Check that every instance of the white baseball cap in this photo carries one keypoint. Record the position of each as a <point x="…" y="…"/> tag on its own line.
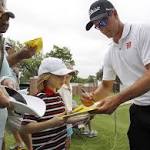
<point x="54" y="66"/>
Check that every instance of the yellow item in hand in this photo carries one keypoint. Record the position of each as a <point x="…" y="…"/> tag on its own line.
<point x="82" y="108"/>
<point x="35" y="43"/>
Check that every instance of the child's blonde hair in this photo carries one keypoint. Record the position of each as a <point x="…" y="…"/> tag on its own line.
<point x="43" y="81"/>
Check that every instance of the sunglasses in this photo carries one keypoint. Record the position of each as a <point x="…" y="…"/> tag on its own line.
<point x="102" y="23"/>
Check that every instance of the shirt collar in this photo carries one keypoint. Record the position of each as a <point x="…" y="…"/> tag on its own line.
<point x="49" y="91"/>
<point x="126" y="30"/>
<point x="66" y="86"/>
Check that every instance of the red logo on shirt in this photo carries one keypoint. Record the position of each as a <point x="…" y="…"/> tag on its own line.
<point x="128" y="44"/>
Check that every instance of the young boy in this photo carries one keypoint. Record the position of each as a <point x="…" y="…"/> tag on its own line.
<point x="49" y="131"/>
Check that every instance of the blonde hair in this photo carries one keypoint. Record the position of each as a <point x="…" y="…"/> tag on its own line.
<point x="42" y="81"/>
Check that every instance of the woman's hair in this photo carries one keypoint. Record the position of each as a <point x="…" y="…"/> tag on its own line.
<point x="43" y="81"/>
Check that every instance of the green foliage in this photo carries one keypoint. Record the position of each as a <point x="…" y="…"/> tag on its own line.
<point x="91" y="79"/>
<point x="80" y="80"/>
<point x="99" y="74"/>
<point x="62" y="53"/>
<point x="29" y="67"/>
<point x="15" y="44"/>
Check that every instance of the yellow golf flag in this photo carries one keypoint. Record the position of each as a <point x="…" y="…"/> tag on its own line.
<point x="38" y="43"/>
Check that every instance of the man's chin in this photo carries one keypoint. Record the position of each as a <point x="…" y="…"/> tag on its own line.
<point x="3" y="31"/>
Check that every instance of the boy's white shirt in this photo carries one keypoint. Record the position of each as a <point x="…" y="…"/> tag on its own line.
<point x="66" y="94"/>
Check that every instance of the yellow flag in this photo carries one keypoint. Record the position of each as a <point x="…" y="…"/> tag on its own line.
<point x="38" y="43"/>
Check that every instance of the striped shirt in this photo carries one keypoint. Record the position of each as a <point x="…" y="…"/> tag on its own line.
<point x="51" y="138"/>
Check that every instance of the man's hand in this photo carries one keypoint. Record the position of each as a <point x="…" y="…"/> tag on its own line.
<point x="4" y="100"/>
<point x="27" y="52"/>
<point x="87" y="99"/>
<point x="10" y="83"/>
<point x="24" y="53"/>
<point x="107" y="105"/>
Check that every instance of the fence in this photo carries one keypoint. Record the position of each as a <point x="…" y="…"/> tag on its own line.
<point x="75" y="87"/>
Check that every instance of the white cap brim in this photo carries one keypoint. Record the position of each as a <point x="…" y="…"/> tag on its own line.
<point x="62" y="72"/>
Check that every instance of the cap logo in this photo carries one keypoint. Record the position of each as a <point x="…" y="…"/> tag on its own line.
<point x="94" y="10"/>
<point x="108" y="9"/>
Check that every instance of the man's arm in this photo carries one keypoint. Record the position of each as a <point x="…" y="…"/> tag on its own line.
<point x="140" y="87"/>
<point x="104" y="90"/>
<point x="17" y="57"/>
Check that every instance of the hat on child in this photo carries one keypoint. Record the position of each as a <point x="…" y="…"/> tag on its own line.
<point x="98" y="10"/>
<point x="54" y="66"/>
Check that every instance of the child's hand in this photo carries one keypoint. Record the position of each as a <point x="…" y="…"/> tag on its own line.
<point x="59" y="120"/>
<point x="78" y="118"/>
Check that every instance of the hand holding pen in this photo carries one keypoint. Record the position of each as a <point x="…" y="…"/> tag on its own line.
<point x="86" y="98"/>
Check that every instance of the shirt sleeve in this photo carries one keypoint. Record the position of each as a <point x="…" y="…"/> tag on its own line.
<point x="108" y="71"/>
<point x="6" y="71"/>
<point x="144" y="44"/>
<point x="28" y="119"/>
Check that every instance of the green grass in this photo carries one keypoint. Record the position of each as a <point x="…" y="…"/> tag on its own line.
<point x="106" y="138"/>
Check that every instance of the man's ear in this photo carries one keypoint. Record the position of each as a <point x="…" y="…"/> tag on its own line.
<point x="115" y="12"/>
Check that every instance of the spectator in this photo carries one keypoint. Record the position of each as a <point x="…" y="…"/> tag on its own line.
<point x="6" y="77"/>
<point x="66" y="93"/>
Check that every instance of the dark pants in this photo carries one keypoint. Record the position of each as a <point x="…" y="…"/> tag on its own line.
<point x="139" y="130"/>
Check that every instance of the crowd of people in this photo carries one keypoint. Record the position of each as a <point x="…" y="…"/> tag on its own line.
<point x="52" y="130"/>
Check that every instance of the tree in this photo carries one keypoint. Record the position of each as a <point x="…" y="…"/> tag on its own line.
<point x="99" y="74"/>
<point x="30" y="66"/>
<point x="116" y="85"/>
<point x="62" y="53"/>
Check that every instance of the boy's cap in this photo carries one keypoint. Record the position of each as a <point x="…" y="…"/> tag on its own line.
<point x="69" y="66"/>
<point x="97" y="11"/>
<point x="54" y="66"/>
